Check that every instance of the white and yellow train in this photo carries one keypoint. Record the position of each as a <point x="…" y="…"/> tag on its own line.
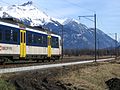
<point x="23" y="43"/>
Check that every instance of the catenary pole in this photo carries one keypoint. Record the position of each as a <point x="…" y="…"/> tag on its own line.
<point x="94" y="16"/>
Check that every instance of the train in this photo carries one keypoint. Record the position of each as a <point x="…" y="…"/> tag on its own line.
<point x="22" y="42"/>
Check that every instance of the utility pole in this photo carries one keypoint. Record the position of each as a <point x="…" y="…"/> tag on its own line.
<point x="95" y="34"/>
<point x="87" y="17"/>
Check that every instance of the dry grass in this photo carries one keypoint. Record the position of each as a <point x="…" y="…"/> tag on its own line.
<point x="91" y="77"/>
<point x="85" y="57"/>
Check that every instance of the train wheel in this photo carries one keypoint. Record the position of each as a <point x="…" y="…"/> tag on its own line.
<point x="49" y="60"/>
<point x="53" y="60"/>
<point x="2" y="60"/>
<point x="42" y="60"/>
<point x="37" y="61"/>
<point x="57" y="57"/>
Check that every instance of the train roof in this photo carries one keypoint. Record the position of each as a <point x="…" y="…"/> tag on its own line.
<point x="17" y="22"/>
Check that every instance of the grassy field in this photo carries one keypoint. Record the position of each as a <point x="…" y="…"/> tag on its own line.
<point x="4" y="85"/>
<point x="92" y="76"/>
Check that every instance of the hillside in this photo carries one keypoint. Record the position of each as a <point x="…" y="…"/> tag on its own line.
<point x="79" y="36"/>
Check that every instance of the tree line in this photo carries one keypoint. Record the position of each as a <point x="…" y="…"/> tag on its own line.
<point x="99" y="52"/>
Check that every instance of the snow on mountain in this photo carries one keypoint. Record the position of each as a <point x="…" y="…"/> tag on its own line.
<point x="61" y="21"/>
<point x="67" y="20"/>
<point x="76" y="34"/>
<point x="29" y="12"/>
<point x="26" y="11"/>
<point x="79" y="36"/>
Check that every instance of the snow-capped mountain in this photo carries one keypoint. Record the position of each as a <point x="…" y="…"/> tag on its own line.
<point x="26" y="12"/>
<point x="76" y="35"/>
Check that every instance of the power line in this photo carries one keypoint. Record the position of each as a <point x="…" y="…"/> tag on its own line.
<point x="80" y="6"/>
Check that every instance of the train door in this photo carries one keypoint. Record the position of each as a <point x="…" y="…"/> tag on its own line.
<point x="22" y="43"/>
<point x="49" y="46"/>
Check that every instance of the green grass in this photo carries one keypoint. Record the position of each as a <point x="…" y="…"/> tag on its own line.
<point x="4" y="85"/>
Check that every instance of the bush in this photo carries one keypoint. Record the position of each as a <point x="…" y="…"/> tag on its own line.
<point x="4" y="85"/>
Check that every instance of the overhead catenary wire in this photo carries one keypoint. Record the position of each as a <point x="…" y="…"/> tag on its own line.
<point x="1" y="1"/>
<point x="75" y="4"/>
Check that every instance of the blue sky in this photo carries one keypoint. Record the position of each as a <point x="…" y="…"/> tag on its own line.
<point x="108" y="11"/>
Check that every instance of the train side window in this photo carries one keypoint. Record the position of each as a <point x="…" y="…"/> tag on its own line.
<point x="35" y="39"/>
<point x="0" y="35"/>
<point x="44" y="40"/>
<point x="30" y="38"/>
<point x="39" y="39"/>
<point x="55" y="42"/>
<point x="15" y="36"/>
<point x="7" y="35"/>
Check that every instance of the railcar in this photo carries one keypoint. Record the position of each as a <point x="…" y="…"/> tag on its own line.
<point x="18" y="42"/>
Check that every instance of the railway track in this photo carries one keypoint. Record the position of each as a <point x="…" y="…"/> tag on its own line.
<point x="24" y="63"/>
<point x="44" y="65"/>
<point x="35" y="63"/>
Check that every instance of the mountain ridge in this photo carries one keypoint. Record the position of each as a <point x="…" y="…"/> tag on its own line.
<point x="76" y="34"/>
